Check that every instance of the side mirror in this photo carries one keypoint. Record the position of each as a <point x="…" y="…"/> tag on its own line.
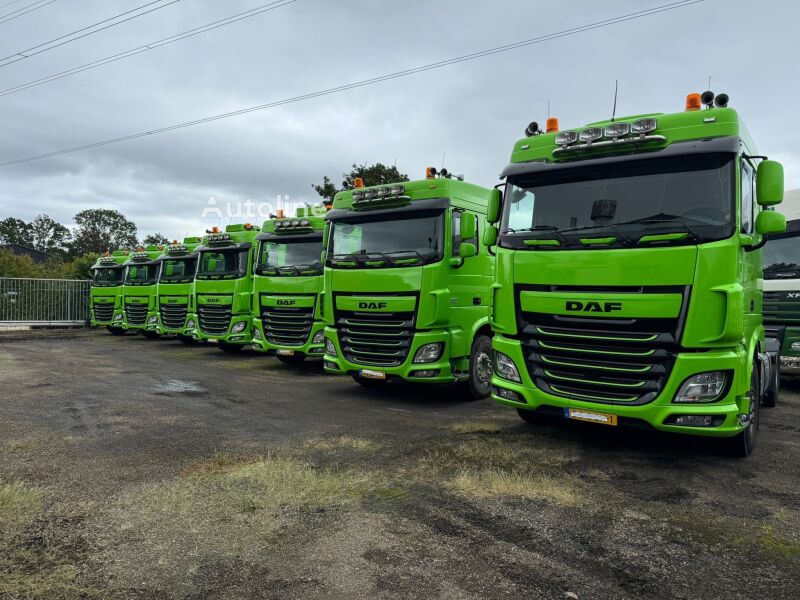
<point x="769" y="183"/>
<point x="769" y="222"/>
<point x="467" y="226"/>
<point x="466" y="250"/>
<point x="490" y="236"/>
<point x="493" y="208"/>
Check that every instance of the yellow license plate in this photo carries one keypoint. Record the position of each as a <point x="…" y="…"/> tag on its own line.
<point x="284" y="352"/>
<point x="370" y="374"/>
<point x="590" y="416"/>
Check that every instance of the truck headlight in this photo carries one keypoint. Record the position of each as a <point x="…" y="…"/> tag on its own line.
<point x="795" y="346"/>
<point x="239" y="327"/>
<point x="118" y="317"/>
<point x="703" y="387"/>
<point x="428" y="353"/>
<point x="330" y="347"/>
<point x="151" y="320"/>
<point x="190" y="324"/>
<point x="505" y="367"/>
<point x="319" y="337"/>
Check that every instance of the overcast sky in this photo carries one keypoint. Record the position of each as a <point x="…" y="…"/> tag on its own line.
<point x="472" y="112"/>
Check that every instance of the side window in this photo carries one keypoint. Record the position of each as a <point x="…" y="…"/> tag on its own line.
<point x="747" y="198"/>
<point x="457" y="228"/>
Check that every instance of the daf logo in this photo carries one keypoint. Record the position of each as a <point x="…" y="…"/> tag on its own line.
<point x="212" y="300"/>
<point x="372" y="305"/>
<point x="576" y="306"/>
<point x="286" y="302"/>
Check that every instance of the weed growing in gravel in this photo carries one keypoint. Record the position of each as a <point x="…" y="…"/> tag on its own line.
<point x="18" y="504"/>
<point x="476" y="427"/>
<point x="344" y="442"/>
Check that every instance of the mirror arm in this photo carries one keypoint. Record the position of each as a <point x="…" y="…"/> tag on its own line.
<point x="754" y="156"/>
<point x="758" y="246"/>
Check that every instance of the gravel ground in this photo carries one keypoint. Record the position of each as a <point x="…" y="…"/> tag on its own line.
<point x="136" y="468"/>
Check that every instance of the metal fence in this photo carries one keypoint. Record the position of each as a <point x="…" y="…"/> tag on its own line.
<point x="45" y="302"/>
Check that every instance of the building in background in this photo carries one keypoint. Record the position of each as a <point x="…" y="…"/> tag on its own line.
<point x="37" y="255"/>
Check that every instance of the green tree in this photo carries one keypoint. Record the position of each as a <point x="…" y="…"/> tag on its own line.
<point x="15" y="265"/>
<point x="15" y="231"/>
<point x="155" y="239"/>
<point x="377" y="174"/>
<point x="49" y="236"/>
<point x="100" y="230"/>
<point x="77" y="268"/>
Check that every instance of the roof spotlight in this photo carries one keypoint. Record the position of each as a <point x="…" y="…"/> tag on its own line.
<point x="707" y="98"/>
<point x="532" y="129"/>
<point x="305" y="223"/>
<point x="721" y="100"/>
<point x="444" y="173"/>
<point x="294" y="223"/>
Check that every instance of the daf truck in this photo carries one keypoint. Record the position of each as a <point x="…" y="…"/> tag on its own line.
<point x="106" y="306"/>
<point x="782" y="295"/>
<point x="286" y="287"/>
<point x="175" y="292"/>
<point x="628" y="285"/>
<point x="139" y="291"/>
<point x="223" y="287"/>
<point x="406" y="284"/>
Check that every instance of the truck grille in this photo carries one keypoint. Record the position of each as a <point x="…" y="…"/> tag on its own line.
<point x="609" y="361"/>
<point x="780" y="309"/>
<point x="173" y="316"/>
<point x="375" y="339"/>
<point x="136" y="313"/>
<point x="214" y="319"/>
<point x="103" y="312"/>
<point x="287" y="326"/>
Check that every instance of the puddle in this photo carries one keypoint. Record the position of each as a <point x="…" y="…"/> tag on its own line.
<point x="178" y="386"/>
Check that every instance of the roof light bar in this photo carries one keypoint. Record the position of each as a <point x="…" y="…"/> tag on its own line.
<point x="612" y="134"/>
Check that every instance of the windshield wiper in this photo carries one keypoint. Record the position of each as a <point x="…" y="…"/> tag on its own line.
<point x="625" y="239"/>
<point x="418" y="255"/>
<point x="535" y="228"/>
<point x="664" y="218"/>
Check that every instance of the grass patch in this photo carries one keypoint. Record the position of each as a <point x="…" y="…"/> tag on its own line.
<point x="487" y="483"/>
<point x="19" y="503"/>
<point x="344" y="442"/>
<point x="476" y="427"/>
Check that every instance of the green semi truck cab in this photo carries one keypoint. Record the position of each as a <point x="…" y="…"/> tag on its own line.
<point x="286" y="286"/>
<point x="106" y="306"/>
<point x="223" y="287"/>
<point x="175" y="292"/>
<point x="781" y="256"/>
<point x="139" y="291"/>
<point x="407" y="285"/>
<point x="628" y="276"/>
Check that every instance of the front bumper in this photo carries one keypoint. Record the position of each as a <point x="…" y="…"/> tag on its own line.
<point x="260" y="343"/>
<point x="405" y="371"/>
<point x="241" y="337"/>
<point x="654" y="413"/>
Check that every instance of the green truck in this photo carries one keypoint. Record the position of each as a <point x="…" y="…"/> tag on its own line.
<point x="175" y="292"/>
<point x="105" y="301"/>
<point x="782" y="295"/>
<point x="223" y="287"/>
<point x="628" y="285"/>
<point x="139" y="291"/>
<point x="406" y="291"/>
<point x="286" y="287"/>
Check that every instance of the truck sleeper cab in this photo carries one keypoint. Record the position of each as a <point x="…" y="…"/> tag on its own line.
<point x="406" y="292"/>
<point x="175" y="292"/>
<point x="628" y="274"/>
<point x="106" y="306"/>
<point x="286" y="286"/>
<point x="781" y="257"/>
<point x="223" y="287"/>
<point x="139" y="291"/>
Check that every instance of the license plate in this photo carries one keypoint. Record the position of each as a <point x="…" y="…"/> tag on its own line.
<point x="284" y="352"/>
<point x="370" y="374"/>
<point x="590" y="416"/>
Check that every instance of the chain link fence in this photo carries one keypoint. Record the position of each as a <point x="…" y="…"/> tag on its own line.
<point x="43" y="302"/>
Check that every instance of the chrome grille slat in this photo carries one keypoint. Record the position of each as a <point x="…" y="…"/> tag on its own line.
<point x="285" y="326"/>
<point x="173" y="316"/>
<point x="104" y="312"/>
<point x="136" y="313"/>
<point x="375" y="339"/>
<point x="214" y="319"/>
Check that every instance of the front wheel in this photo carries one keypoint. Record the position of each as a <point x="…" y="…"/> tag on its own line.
<point x="150" y="335"/>
<point x="745" y="442"/>
<point x="480" y="368"/>
<point x="187" y="339"/>
<point x="369" y="383"/>
<point x="115" y="330"/>
<point x="228" y="347"/>
<point x="293" y="359"/>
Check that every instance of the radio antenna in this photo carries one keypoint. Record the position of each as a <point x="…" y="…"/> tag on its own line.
<point x="614" y="110"/>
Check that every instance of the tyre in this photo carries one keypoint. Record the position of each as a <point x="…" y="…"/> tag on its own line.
<point x="529" y="416"/>
<point x="187" y="339"/>
<point x="151" y="335"/>
<point x="369" y="383"/>
<point x="294" y="359"/>
<point x="480" y="368"/>
<point x="744" y="443"/>
<point x="228" y="347"/>
<point x="771" y="394"/>
<point x="116" y="331"/>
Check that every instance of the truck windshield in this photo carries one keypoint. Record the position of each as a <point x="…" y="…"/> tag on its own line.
<point x="178" y="270"/>
<point x="222" y="264"/>
<point x="290" y="257"/>
<point x="108" y="276"/>
<point x="141" y="274"/>
<point x="688" y="199"/>
<point x="386" y="241"/>
<point x="781" y="258"/>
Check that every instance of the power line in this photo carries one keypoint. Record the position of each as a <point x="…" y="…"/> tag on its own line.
<point x="68" y="37"/>
<point x="10" y="3"/>
<point x="150" y="46"/>
<point x="373" y="80"/>
<point x="15" y="14"/>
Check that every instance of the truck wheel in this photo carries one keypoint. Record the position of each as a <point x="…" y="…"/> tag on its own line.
<point x="187" y="339"/>
<point x="772" y="392"/>
<point x="745" y="442"/>
<point x="294" y="359"/>
<point x="529" y="416"/>
<point x="368" y="383"/>
<point x="480" y="367"/>
<point x="150" y="335"/>
<point x="116" y="331"/>
<point x="228" y="347"/>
